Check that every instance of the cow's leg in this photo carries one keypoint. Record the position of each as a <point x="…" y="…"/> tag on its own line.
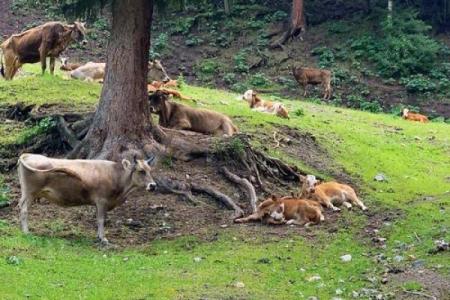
<point x="253" y="217"/>
<point x="351" y="196"/>
<point x="101" y="216"/>
<point x="23" y="205"/>
<point x="325" y="200"/>
<point x="305" y="86"/>
<point x="43" y="56"/>
<point x="52" y="65"/>
<point x="296" y="222"/>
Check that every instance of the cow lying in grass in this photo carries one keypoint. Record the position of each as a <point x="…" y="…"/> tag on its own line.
<point x="163" y="86"/>
<point x="66" y="66"/>
<point x="66" y="182"/>
<point x="258" y="104"/>
<point x="287" y="210"/>
<point x="330" y="193"/>
<point x="414" y="116"/>
<point x="179" y="116"/>
<point x="305" y="76"/>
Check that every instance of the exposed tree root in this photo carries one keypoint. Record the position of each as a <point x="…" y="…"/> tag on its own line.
<point x="185" y="189"/>
<point x="245" y="184"/>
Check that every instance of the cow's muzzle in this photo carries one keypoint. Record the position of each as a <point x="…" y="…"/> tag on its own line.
<point x="151" y="186"/>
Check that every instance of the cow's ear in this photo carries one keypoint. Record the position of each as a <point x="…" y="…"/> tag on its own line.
<point x="126" y="164"/>
<point x="302" y="178"/>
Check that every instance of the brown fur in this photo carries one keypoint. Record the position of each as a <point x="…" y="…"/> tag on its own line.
<point x="286" y="210"/>
<point x="330" y="194"/>
<point x="414" y="116"/>
<point x="38" y="43"/>
<point x="305" y="76"/>
<point x="179" y="116"/>
<point x="66" y="66"/>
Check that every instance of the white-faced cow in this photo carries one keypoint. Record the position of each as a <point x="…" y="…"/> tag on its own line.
<point x="66" y="182"/>
<point x="36" y="44"/>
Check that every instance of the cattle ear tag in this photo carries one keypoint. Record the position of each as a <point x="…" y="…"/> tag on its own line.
<point x="126" y="164"/>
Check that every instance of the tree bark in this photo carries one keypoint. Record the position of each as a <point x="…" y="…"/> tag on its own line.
<point x="122" y="119"/>
<point x="296" y="25"/>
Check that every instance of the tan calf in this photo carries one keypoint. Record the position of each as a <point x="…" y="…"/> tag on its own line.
<point x="286" y="210"/>
<point x="305" y="76"/>
<point x="258" y="104"/>
<point x="414" y="116"/>
<point x="330" y="193"/>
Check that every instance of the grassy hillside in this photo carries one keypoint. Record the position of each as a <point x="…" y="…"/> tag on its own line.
<point x="410" y="210"/>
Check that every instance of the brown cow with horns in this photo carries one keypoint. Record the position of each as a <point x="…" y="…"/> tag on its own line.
<point x="38" y="43"/>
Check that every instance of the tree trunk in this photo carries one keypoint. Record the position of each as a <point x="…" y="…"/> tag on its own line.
<point x="227" y="6"/>
<point x="389" y="16"/>
<point x="296" y="25"/>
<point x="122" y="119"/>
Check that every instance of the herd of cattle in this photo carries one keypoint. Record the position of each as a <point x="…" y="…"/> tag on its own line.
<point x="106" y="184"/>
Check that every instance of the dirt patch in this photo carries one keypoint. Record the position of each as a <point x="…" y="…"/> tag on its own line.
<point x="148" y="216"/>
<point x="433" y="283"/>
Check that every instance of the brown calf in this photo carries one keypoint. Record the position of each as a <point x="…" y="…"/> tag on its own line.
<point x="66" y="66"/>
<point x="414" y="117"/>
<point x="305" y="76"/>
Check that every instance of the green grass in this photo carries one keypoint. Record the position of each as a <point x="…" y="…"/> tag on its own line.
<point x="414" y="157"/>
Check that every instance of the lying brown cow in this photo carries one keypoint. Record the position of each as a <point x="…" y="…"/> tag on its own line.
<point x="305" y="76"/>
<point x="286" y="210"/>
<point x="38" y="43"/>
<point x="179" y="116"/>
<point x="65" y="182"/>
<point x="66" y="66"/>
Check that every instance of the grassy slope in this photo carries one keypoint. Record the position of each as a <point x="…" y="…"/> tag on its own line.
<point x="414" y="157"/>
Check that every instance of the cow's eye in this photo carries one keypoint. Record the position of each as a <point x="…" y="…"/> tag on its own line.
<point x="141" y="172"/>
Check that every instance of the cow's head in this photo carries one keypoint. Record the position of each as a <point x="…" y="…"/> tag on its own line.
<point x="63" y="60"/>
<point x="157" y="101"/>
<point x="156" y="72"/>
<point x="248" y="95"/>
<point x="309" y="184"/>
<point x="78" y="32"/>
<point x="277" y="209"/>
<point x="140" y="172"/>
<point x="405" y="112"/>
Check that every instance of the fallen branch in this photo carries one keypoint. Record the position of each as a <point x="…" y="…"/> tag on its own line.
<point x="419" y="294"/>
<point x="243" y="182"/>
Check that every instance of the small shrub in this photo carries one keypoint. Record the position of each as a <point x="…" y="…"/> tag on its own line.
<point x="101" y="24"/>
<point x="259" y="80"/>
<point x="159" y="46"/>
<point x="372" y="106"/>
<point x="208" y="66"/>
<point x="239" y="87"/>
<point x="44" y="126"/>
<point x="277" y="16"/>
<point x="418" y="84"/>
<point x="326" y="56"/>
<point x="193" y="41"/>
<point x="230" y="150"/>
<point x="229" y="78"/>
<point x="4" y="191"/>
<point x="240" y="61"/>
<point x="182" y="25"/>
<point x="299" y="112"/>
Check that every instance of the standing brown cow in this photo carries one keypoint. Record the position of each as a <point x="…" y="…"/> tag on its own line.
<point x="38" y="43"/>
<point x="305" y="76"/>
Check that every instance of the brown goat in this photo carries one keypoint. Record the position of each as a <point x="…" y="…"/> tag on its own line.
<point x="305" y="76"/>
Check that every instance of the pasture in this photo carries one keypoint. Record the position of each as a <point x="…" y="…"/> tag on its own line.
<point x="186" y="251"/>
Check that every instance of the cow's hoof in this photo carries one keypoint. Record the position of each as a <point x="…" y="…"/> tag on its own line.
<point x="336" y="209"/>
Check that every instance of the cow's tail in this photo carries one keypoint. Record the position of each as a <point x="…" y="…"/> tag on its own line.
<point x="2" y="66"/>
<point x="64" y="171"/>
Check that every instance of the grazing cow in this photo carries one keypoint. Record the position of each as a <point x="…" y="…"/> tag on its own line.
<point x="414" y="116"/>
<point x="258" y="104"/>
<point x="66" y="66"/>
<point x="66" y="182"/>
<point x="305" y="76"/>
<point x="38" y="43"/>
<point x="90" y="72"/>
<point x="330" y="193"/>
<point x="286" y="210"/>
<point x="179" y="116"/>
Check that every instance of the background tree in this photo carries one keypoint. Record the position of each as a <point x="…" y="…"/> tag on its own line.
<point x="296" y="25"/>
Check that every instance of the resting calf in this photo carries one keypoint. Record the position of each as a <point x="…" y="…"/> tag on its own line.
<point x="286" y="210"/>
<point x="104" y="184"/>
<point x="66" y="66"/>
<point x="414" y="116"/>
<point x="329" y="193"/>
<point x="179" y="116"/>
<point x="258" y="104"/>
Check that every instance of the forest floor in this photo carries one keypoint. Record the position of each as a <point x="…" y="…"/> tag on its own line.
<point x="174" y="250"/>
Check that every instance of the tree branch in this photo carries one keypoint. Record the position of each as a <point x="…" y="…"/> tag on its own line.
<point x="244" y="183"/>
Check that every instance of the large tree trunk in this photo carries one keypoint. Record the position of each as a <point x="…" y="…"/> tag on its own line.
<point x="296" y="24"/>
<point x="122" y="118"/>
